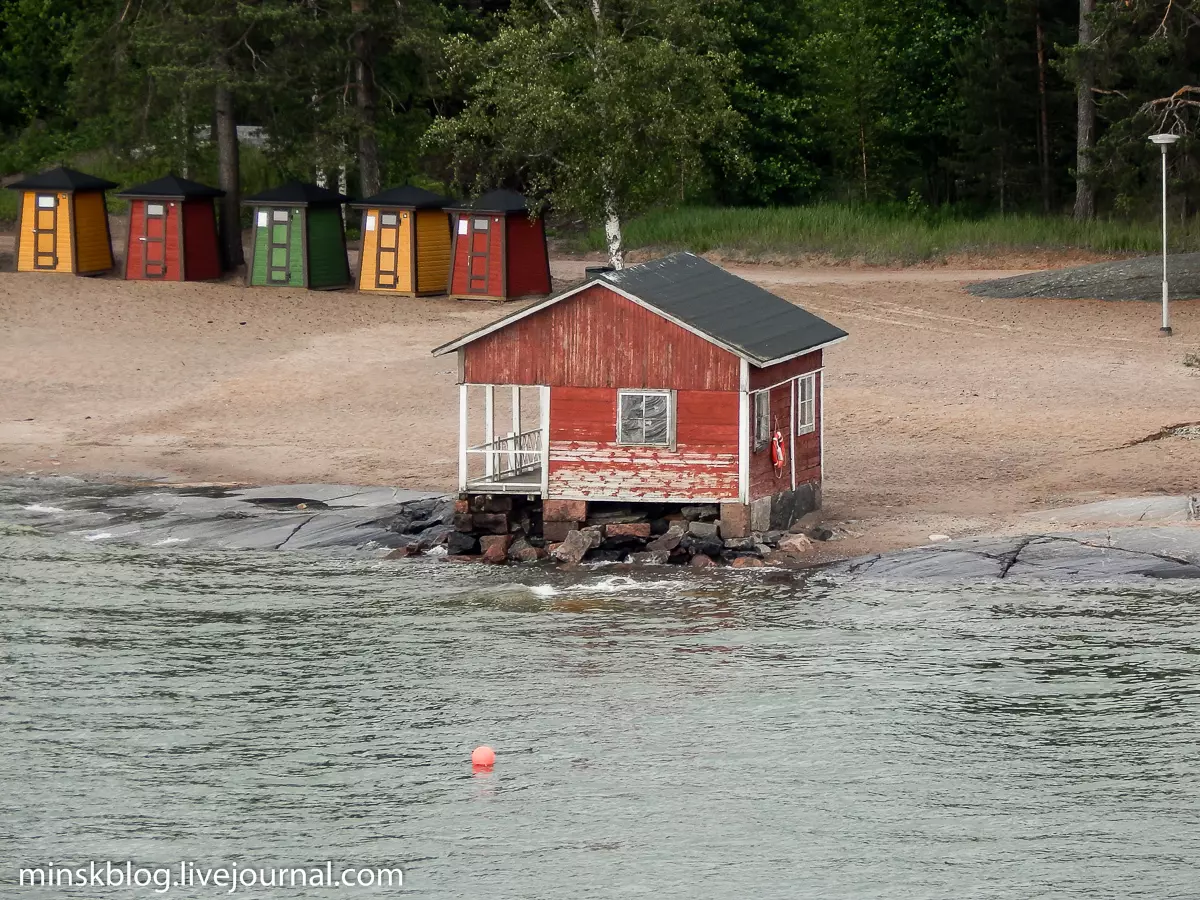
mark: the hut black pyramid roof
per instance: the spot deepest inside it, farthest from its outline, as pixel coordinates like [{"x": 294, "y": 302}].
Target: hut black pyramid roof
[
  {"x": 720, "y": 307},
  {"x": 499, "y": 201},
  {"x": 295, "y": 193},
  {"x": 172, "y": 186},
  {"x": 406, "y": 197},
  {"x": 62, "y": 179}
]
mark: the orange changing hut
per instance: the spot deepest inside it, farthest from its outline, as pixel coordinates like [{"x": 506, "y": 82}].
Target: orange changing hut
[
  {"x": 405, "y": 242},
  {"x": 499, "y": 250},
  {"x": 62, "y": 223}
]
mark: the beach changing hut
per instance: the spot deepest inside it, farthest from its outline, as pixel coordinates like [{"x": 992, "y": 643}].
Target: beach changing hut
[
  {"x": 62, "y": 223},
  {"x": 499, "y": 250},
  {"x": 172, "y": 231},
  {"x": 405, "y": 242},
  {"x": 299, "y": 238},
  {"x": 669, "y": 382}
]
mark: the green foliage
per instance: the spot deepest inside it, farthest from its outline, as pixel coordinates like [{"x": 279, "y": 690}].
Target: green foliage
[
  {"x": 591, "y": 116},
  {"x": 883, "y": 235}
]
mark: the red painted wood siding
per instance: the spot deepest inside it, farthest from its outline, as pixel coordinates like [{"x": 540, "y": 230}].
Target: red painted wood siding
[
  {"x": 202, "y": 253},
  {"x": 586, "y": 462},
  {"x": 528, "y": 263},
  {"x": 135, "y": 247},
  {"x": 600, "y": 339},
  {"x": 459, "y": 281},
  {"x": 801, "y": 365},
  {"x": 763, "y": 482}
]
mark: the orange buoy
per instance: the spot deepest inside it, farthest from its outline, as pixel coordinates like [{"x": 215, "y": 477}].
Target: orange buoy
[{"x": 483, "y": 757}]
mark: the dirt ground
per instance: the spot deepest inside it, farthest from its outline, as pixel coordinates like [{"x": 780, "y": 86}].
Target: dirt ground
[{"x": 946, "y": 413}]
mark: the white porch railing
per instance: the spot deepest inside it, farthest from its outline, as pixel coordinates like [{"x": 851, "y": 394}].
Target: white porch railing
[{"x": 508, "y": 460}]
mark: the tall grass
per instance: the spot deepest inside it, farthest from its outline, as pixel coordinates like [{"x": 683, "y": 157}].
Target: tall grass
[{"x": 882, "y": 236}]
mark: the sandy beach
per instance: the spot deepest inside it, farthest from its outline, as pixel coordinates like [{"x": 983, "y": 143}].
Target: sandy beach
[{"x": 945, "y": 413}]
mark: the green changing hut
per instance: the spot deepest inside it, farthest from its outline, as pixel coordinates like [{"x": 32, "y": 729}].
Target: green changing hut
[{"x": 299, "y": 238}]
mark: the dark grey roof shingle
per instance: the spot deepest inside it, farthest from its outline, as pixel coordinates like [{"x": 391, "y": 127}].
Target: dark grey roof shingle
[
  {"x": 294, "y": 193},
  {"x": 172, "y": 186},
  {"x": 498, "y": 201},
  {"x": 406, "y": 197},
  {"x": 723, "y": 306},
  {"x": 62, "y": 179}
]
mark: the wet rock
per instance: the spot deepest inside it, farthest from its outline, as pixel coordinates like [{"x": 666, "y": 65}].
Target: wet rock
[
  {"x": 703, "y": 529},
  {"x": 704, "y": 512},
  {"x": 739, "y": 544},
  {"x": 529, "y": 554},
  {"x": 649, "y": 558},
  {"x": 402, "y": 552},
  {"x": 491, "y": 523},
  {"x": 495, "y": 548},
  {"x": 555, "y": 532},
  {"x": 464, "y": 522},
  {"x": 436, "y": 536},
  {"x": 795, "y": 543},
  {"x": 747, "y": 562},
  {"x": 659, "y": 526},
  {"x": 637, "y": 530},
  {"x": 762, "y": 549},
  {"x": 820, "y": 533},
  {"x": 606, "y": 555},
  {"x": 460, "y": 544},
  {"x": 576, "y": 545},
  {"x": 669, "y": 540},
  {"x": 518, "y": 544},
  {"x": 773, "y": 537},
  {"x": 700, "y": 561}
]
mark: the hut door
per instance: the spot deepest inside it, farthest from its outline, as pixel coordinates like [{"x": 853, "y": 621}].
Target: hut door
[
  {"x": 154, "y": 241},
  {"x": 45, "y": 232},
  {"x": 478, "y": 256},
  {"x": 279, "y": 249},
  {"x": 386, "y": 259}
]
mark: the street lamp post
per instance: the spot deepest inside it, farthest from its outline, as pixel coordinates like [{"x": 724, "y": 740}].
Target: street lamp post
[{"x": 1164, "y": 141}]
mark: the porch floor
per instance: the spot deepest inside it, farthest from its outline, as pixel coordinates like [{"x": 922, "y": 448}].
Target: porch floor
[{"x": 526, "y": 483}]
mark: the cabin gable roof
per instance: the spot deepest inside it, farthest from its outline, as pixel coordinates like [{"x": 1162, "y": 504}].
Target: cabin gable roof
[{"x": 718, "y": 306}]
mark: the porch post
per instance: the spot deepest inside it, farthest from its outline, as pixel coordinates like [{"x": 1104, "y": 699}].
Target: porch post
[
  {"x": 544, "y": 403},
  {"x": 744, "y": 435},
  {"x": 489, "y": 428},
  {"x": 514, "y": 457},
  {"x": 462, "y": 437},
  {"x": 792, "y": 432}
]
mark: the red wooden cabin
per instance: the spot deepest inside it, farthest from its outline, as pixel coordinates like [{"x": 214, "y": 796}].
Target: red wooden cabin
[
  {"x": 172, "y": 231},
  {"x": 664, "y": 382},
  {"x": 499, "y": 251}
]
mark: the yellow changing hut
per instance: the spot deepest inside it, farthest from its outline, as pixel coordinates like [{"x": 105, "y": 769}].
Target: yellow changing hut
[
  {"x": 62, "y": 223},
  {"x": 405, "y": 242}
]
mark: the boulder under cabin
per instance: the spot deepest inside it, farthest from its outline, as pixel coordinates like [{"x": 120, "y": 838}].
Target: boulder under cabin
[{"x": 669, "y": 382}]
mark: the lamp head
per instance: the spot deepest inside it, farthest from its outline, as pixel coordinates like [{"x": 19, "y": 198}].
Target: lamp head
[{"x": 1164, "y": 139}]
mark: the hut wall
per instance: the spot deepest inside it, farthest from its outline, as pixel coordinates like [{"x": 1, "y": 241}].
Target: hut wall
[
  {"x": 62, "y": 234},
  {"x": 135, "y": 248},
  {"x": 598, "y": 338},
  {"x": 202, "y": 249},
  {"x": 262, "y": 248},
  {"x": 493, "y": 241},
  {"x": 528, "y": 263},
  {"x": 404, "y": 255},
  {"x": 433, "y": 251},
  {"x": 586, "y": 462},
  {"x": 327, "y": 262},
  {"x": 93, "y": 246},
  {"x": 763, "y": 482},
  {"x": 366, "y": 253}
]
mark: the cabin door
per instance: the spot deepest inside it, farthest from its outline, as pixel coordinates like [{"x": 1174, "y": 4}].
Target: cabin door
[
  {"x": 478, "y": 257},
  {"x": 279, "y": 247},
  {"x": 45, "y": 232},
  {"x": 154, "y": 241},
  {"x": 387, "y": 251}
]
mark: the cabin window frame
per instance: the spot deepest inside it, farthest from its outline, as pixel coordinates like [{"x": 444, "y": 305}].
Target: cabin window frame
[
  {"x": 762, "y": 419},
  {"x": 806, "y": 407},
  {"x": 626, "y": 440}
]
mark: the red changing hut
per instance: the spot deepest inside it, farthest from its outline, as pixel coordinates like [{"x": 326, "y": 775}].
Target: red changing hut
[
  {"x": 673, "y": 381},
  {"x": 499, "y": 250},
  {"x": 172, "y": 231}
]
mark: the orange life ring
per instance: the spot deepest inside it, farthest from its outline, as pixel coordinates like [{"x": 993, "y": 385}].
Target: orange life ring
[{"x": 778, "y": 454}]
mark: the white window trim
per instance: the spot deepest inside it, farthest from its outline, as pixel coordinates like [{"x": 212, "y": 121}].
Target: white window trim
[
  {"x": 809, "y": 427},
  {"x": 760, "y": 442},
  {"x": 670, "y": 395}
]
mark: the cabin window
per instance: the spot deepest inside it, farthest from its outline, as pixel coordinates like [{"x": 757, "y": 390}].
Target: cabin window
[
  {"x": 45, "y": 201},
  {"x": 279, "y": 215},
  {"x": 762, "y": 420},
  {"x": 646, "y": 418},
  {"x": 806, "y": 404},
  {"x": 388, "y": 219},
  {"x": 154, "y": 209},
  {"x": 481, "y": 224}
]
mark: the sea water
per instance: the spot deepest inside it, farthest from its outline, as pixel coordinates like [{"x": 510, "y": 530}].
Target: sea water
[{"x": 674, "y": 734}]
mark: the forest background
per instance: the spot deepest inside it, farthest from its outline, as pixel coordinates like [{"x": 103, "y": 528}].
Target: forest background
[{"x": 890, "y": 130}]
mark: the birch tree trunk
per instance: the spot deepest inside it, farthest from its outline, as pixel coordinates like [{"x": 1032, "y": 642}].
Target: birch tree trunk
[
  {"x": 1085, "y": 117},
  {"x": 613, "y": 239},
  {"x": 229, "y": 178}
]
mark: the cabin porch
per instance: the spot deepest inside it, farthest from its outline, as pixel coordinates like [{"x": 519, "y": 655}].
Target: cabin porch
[{"x": 503, "y": 439}]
